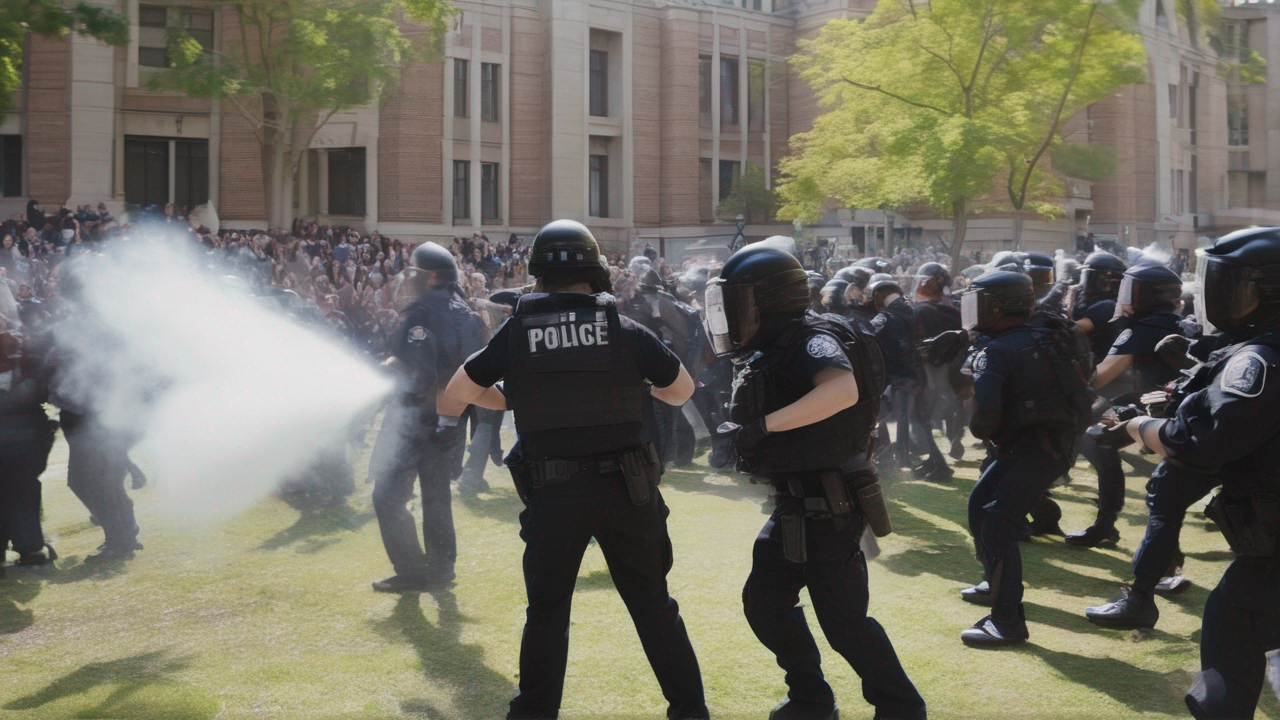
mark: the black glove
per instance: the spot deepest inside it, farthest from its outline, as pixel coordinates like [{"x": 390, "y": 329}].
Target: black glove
[
  {"x": 944, "y": 348},
  {"x": 448, "y": 431},
  {"x": 1113, "y": 437},
  {"x": 1173, "y": 351},
  {"x": 744, "y": 438}
]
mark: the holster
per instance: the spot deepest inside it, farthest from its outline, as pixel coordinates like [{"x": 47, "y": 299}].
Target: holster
[
  {"x": 793, "y": 540},
  {"x": 1249, "y": 524},
  {"x": 522, "y": 478},
  {"x": 837, "y": 495},
  {"x": 871, "y": 501},
  {"x": 642, "y": 471}
]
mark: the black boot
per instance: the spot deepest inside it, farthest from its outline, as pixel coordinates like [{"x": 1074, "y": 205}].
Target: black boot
[
  {"x": 933, "y": 471},
  {"x": 979, "y": 594},
  {"x": 1132, "y": 610},
  {"x": 789, "y": 710},
  {"x": 1102, "y": 532},
  {"x": 992, "y": 631}
]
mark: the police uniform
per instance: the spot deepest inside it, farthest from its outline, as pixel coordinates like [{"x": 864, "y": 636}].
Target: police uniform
[
  {"x": 438, "y": 332},
  {"x": 1029, "y": 399},
  {"x": 1104, "y": 332},
  {"x": 897, "y": 331},
  {"x": 935, "y": 317},
  {"x": 574, "y": 373},
  {"x": 26, "y": 436}
]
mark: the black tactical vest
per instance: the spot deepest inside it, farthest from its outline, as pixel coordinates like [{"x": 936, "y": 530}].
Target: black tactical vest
[
  {"x": 570, "y": 367},
  {"x": 1053, "y": 385},
  {"x": 764, "y": 385}
]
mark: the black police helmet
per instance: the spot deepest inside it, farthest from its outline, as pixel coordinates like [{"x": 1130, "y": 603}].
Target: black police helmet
[
  {"x": 1149, "y": 288},
  {"x": 755, "y": 285},
  {"x": 506, "y": 297},
  {"x": 1037, "y": 259},
  {"x": 1240, "y": 275},
  {"x": 845, "y": 274},
  {"x": 861, "y": 276},
  {"x": 1101, "y": 275},
  {"x": 833, "y": 295},
  {"x": 933, "y": 270},
  {"x": 1004, "y": 257},
  {"x": 883, "y": 287},
  {"x": 568, "y": 250},
  {"x": 430, "y": 256},
  {"x": 997, "y": 299},
  {"x": 874, "y": 264},
  {"x": 816, "y": 281}
]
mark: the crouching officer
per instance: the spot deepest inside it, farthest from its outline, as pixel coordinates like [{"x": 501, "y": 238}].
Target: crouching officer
[
  {"x": 574, "y": 373},
  {"x": 421, "y": 437},
  {"x": 1148, "y": 296},
  {"x": 1228, "y": 428},
  {"x": 1031, "y": 401},
  {"x": 802, "y": 416}
]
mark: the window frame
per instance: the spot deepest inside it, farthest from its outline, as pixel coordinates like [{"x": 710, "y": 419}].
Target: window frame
[
  {"x": 490, "y": 200},
  {"x": 598, "y": 185},
  {"x": 729, "y": 100},
  {"x": 735, "y": 172},
  {"x": 462, "y": 202},
  {"x": 598, "y": 83},
  {"x": 490, "y": 92},
  {"x": 461, "y": 81},
  {"x": 705, "y": 104},
  {"x": 756, "y": 106}
]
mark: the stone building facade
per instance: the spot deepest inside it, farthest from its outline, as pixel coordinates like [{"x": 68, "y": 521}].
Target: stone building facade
[{"x": 635, "y": 116}]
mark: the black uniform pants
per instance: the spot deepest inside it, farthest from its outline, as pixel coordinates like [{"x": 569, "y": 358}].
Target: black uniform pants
[
  {"x": 24, "y": 453},
  {"x": 1241, "y": 623},
  {"x": 1017, "y": 478},
  {"x": 556, "y": 527},
  {"x": 404, "y": 451},
  {"x": 97, "y": 462},
  {"x": 1110, "y": 475},
  {"x": 836, "y": 574},
  {"x": 1170, "y": 492}
]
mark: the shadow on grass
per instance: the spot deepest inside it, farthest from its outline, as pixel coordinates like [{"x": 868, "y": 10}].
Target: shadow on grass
[
  {"x": 595, "y": 580},
  {"x": 478, "y": 690},
  {"x": 13, "y": 594},
  {"x": 694, "y": 479},
  {"x": 314, "y": 524},
  {"x": 497, "y": 504},
  {"x": 1139, "y": 689},
  {"x": 129, "y": 675},
  {"x": 69, "y": 571}
]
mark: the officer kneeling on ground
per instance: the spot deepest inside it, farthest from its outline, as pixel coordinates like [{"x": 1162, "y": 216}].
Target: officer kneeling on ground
[
  {"x": 1031, "y": 401},
  {"x": 1228, "y": 428},
  {"x": 802, "y": 416},
  {"x": 574, "y": 373}
]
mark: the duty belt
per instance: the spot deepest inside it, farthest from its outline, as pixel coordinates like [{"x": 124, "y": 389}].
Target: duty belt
[{"x": 553, "y": 472}]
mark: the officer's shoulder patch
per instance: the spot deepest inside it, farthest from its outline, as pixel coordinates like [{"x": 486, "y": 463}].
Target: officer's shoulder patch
[
  {"x": 980, "y": 361},
  {"x": 417, "y": 333},
  {"x": 1245, "y": 375},
  {"x": 823, "y": 346},
  {"x": 1124, "y": 337}
]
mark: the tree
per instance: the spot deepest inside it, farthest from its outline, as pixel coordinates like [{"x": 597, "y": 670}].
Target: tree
[
  {"x": 48, "y": 17},
  {"x": 291, "y": 65},
  {"x": 930, "y": 101},
  {"x": 749, "y": 198}
]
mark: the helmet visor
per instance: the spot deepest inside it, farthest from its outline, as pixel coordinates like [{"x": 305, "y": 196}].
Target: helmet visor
[
  {"x": 1230, "y": 291},
  {"x": 717, "y": 320},
  {"x": 971, "y": 306},
  {"x": 1097, "y": 284},
  {"x": 1127, "y": 298}
]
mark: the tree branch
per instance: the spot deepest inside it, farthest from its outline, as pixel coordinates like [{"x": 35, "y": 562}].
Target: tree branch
[
  {"x": 944, "y": 61},
  {"x": 895, "y": 96}
]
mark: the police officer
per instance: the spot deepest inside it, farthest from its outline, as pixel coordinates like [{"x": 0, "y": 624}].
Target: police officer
[
  {"x": 936, "y": 314},
  {"x": 1038, "y": 267},
  {"x": 1031, "y": 399},
  {"x": 1146, "y": 303},
  {"x": 574, "y": 372},
  {"x": 802, "y": 419},
  {"x": 486, "y": 438},
  {"x": 898, "y": 332},
  {"x": 421, "y": 435},
  {"x": 1227, "y": 427},
  {"x": 26, "y": 436},
  {"x": 833, "y": 298}
]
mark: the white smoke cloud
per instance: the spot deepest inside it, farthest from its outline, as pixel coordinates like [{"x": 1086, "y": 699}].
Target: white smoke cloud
[
  {"x": 1153, "y": 253},
  {"x": 229, "y": 395}
]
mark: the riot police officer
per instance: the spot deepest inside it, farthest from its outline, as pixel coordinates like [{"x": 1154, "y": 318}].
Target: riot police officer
[
  {"x": 421, "y": 435},
  {"x": 833, "y": 298},
  {"x": 1146, "y": 301},
  {"x": 936, "y": 314},
  {"x": 574, "y": 372},
  {"x": 898, "y": 332},
  {"x": 1039, "y": 267},
  {"x": 26, "y": 436},
  {"x": 802, "y": 419},
  {"x": 1031, "y": 400},
  {"x": 1227, "y": 427}
]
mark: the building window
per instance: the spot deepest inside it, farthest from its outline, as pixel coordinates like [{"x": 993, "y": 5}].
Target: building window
[
  {"x": 1179, "y": 204},
  {"x": 1237, "y": 120},
  {"x": 599, "y": 83},
  {"x": 755, "y": 95},
  {"x": 1162, "y": 20},
  {"x": 11, "y": 166},
  {"x": 146, "y": 172},
  {"x": 461, "y": 189},
  {"x": 154, "y": 24},
  {"x": 728, "y": 175},
  {"x": 490, "y": 83},
  {"x": 460, "y": 88},
  {"x": 600, "y": 186},
  {"x": 346, "y": 182},
  {"x": 751, "y": 5},
  {"x": 1193, "y": 203},
  {"x": 704, "y": 91},
  {"x": 1173, "y": 102},
  {"x": 489, "y": 191},
  {"x": 190, "y": 173},
  {"x": 728, "y": 91}
]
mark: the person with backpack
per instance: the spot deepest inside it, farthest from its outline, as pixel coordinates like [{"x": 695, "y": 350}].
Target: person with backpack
[
  {"x": 1031, "y": 401},
  {"x": 804, "y": 405}
]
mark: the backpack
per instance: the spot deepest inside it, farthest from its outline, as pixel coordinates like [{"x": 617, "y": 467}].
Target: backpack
[
  {"x": 1072, "y": 358},
  {"x": 863, "y": 351}
]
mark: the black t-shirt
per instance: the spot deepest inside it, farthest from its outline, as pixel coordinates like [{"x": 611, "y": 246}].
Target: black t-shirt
[
  {"x": 935, "y": 317},
  {"x": 656, "y": 362},
  {"x": 1139, "y": 339},
  {"x": 1104, "y": 331}
]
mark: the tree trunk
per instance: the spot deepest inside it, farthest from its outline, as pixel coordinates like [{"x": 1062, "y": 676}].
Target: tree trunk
[
  {"x": 960, "y": 218},
  {"x": 1017, "y": 229}
]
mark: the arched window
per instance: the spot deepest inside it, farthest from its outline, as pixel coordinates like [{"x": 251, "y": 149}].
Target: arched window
[{"x": 1162, "y": 20}]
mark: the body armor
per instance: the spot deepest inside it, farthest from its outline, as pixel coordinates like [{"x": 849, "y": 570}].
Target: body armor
[{"x": 569, "y": 368}]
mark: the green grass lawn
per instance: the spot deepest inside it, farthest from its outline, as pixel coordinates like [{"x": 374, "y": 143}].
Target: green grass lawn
[{"x": 270, "y": 615}]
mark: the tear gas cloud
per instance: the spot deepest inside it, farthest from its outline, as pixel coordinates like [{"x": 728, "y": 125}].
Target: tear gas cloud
[
  {"x": 1153, "y": 253},
  {"x": 228, "y": 394}
]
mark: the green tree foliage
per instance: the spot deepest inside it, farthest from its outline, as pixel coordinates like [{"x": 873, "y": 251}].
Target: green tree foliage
[
  {"x": 936, "y": 101},
  {"x": 48, "y": 17},
  {"x": 750, "y": 198},
  {"x": 289, "y": 67}
]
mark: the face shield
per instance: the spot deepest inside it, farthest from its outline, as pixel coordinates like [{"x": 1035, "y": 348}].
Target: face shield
[
  {"x": 1041, "y": 279},
  {"x": 1202, "y": 269},
  {"x": 732, "y": 316},
  {"x": 972, "y": 304},
  {"x": 1230, "y": 293},
  {"x": 1127, "y": 298},
  {"x": 717, "y": 320},
  {"x": 406, "y": 288}
]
